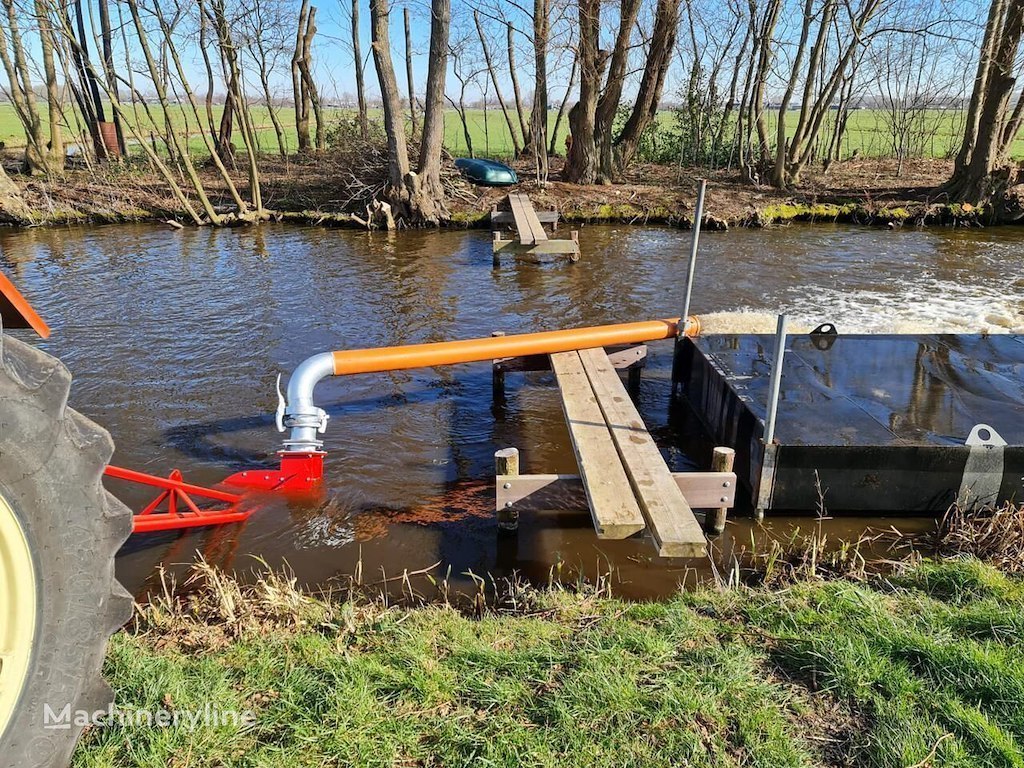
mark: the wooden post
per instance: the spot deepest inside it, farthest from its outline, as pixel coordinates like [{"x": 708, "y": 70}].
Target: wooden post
[
  {"x": 633, "y": 379},
  {"x": 497, "y": 377},
  {"x": 506, "y": 462},
  {"x": 722, "y": 460}
]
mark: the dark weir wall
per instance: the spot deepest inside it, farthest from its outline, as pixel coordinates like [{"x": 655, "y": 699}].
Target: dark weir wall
[{"x": 884, "y": 420}]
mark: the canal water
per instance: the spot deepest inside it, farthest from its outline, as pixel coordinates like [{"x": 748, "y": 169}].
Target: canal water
[{"x": 176, "y": 338}]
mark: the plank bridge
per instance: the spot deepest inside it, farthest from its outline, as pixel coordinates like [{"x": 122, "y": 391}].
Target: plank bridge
[
  {"x": 623, "y": 479},
  {"x": 530, "y": 239}
]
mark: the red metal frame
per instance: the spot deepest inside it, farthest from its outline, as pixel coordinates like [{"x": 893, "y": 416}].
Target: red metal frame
[
  {"x": 301, "y": 473},
  {"x": 181, "y": 510}
]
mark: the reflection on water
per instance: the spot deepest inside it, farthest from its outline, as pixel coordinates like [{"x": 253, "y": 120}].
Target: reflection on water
[{"x": 175, "y": 339}]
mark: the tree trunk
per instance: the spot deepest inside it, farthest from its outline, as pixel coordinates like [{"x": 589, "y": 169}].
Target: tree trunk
[
  {"x": 973, "y": 177},
  {"x": 357, "y": 59},
  {"x": 106, "y": 36},
  {"x": 539, "y": 121},
  {"x": 398, "y": 155},
  {"x": 298, "y": 92},
  {"x": 608, "y": 103},
  {"x": 21, "y": 93},
  {"x": 408, "y": 74},
  {"x": 581, "y": 159},
  {"x": 90, "y": 87},
  {"x": 645, "y": 108},
  {"x": 427, "y": 190},
  {"x": 310, "y": 93},
  {"x": 55, "y": 155}
]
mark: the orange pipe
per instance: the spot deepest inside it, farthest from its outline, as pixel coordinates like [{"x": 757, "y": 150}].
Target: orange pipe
[{"x": 351, "y": 361}]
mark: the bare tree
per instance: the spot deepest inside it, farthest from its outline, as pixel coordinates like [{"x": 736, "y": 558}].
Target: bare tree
[
  {"x": 415, "y": 197},
  {"x": 514, "y": 76},
  {"x": 539, "y": 113},
  {"x": 517, "y": 145},
  {"x": 991, "y": 126},
  {"x": 652, "y": 83},
  {"x": 357, "y": 60},
  {"x": 564, "y": 103},
  {"x": 265, "y": 24},
  {"x": 581, "y": 160},
  {"x": 21, "y": 92},
  {"x": 408, "y": 73}
]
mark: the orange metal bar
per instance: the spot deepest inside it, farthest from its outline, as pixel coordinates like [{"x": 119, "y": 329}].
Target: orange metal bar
[
  {"x": 17, "y": 312},
  {"x": 351, "y": 361},
  {"x": 170, "y": 484}
]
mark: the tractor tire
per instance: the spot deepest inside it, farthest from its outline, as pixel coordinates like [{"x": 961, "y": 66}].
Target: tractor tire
[{"x": 59, "y": 532}]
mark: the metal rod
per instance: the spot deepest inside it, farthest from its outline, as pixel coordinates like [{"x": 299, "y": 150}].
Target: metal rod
[
  {"x": 775, "y": 385},
  {"x": 698, "y": 215}
]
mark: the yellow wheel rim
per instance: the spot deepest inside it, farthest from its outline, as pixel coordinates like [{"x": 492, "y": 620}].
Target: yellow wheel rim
[{"x": 17, "y": 611}]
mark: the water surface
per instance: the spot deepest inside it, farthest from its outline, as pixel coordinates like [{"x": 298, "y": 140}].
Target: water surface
[{"x": 176, "y": 338}]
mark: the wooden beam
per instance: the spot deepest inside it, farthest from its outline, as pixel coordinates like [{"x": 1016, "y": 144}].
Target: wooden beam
[
  {"x": 704, "y": 490},
  {"x": 668, "y": 514},
  {"x": 557, "y": 247},
  {"x": 504, "y": 218},
  {"x": 612, "y": 503},
  {"x": 622, "y": 356}
]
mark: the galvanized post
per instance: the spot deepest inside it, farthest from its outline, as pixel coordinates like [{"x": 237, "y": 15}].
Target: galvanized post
[
  {"x": 775, "y": 384},
  {"x": 698, "y": 215},
  {"x": 684, "y": 321}
]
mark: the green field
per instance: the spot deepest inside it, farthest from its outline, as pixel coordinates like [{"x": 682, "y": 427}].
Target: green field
[
  {"x": 924, "y": 669},
  {"x": 867, "y": 132}
]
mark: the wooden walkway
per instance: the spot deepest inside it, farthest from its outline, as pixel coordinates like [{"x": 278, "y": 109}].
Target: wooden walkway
[
  {"x": 531, "y": 238},
  {"x": 623, "y": 481}
]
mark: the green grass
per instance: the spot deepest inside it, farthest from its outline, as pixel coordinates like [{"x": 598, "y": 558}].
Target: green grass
[
  {"x": 867, "y": 130},
  {"x": 925, "y": 669}
]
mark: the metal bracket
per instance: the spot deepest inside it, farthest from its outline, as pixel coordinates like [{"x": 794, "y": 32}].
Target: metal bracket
[
  {"x": 281, "y": 405},
  {"x": 983, "y": 472},
  {"x": 824, "y": 336}
]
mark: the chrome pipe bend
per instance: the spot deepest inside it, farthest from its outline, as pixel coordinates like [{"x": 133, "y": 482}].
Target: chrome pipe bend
[{"x": 298, "y": 412}]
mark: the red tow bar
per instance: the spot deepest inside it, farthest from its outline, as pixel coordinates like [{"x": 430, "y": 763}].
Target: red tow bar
[
  {"x": 175, "y": 507},
  {"x": 181, "y": 510}
]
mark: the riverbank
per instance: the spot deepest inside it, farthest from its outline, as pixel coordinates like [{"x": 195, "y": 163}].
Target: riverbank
[
  {"x": 922, "y": 667},
  {"x": 320, "y": 190}
]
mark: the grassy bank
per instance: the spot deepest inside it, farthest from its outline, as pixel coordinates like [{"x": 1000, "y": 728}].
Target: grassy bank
[{"x": 924, "y": 668}]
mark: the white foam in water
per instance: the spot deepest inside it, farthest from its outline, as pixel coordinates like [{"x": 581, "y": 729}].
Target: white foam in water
[{"x": 924, "y": 306}]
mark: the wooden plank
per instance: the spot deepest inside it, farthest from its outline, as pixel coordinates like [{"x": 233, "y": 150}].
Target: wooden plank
[
  {"x": 504, "y": 218},
  {"x": 530, "y": 230},
  {"x": 668, "y": 514},
  {"x": 558, "y": 246},
  {"x": 613, "y": 505},
  {"x": 703, "y": 490}
]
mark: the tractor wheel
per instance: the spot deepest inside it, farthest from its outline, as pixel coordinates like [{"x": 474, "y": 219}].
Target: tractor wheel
[{"x": 59, "y": 532}]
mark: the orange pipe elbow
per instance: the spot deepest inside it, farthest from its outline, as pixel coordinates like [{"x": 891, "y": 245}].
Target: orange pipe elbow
[{"x": 352, "y": 361}]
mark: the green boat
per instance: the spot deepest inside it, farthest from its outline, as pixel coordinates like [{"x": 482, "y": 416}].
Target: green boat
[{"x": 486, "y": 173}]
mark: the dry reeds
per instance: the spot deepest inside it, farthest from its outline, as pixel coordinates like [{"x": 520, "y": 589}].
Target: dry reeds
[{"x": 994, "y": 535}]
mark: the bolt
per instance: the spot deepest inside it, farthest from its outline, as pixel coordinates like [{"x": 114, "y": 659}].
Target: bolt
[
  {"x": 724, "y": 499},
  {"x": 506, "y": 486},
  {"x": 726, "y": 484},
  {"x": 508, "y": 505}
]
